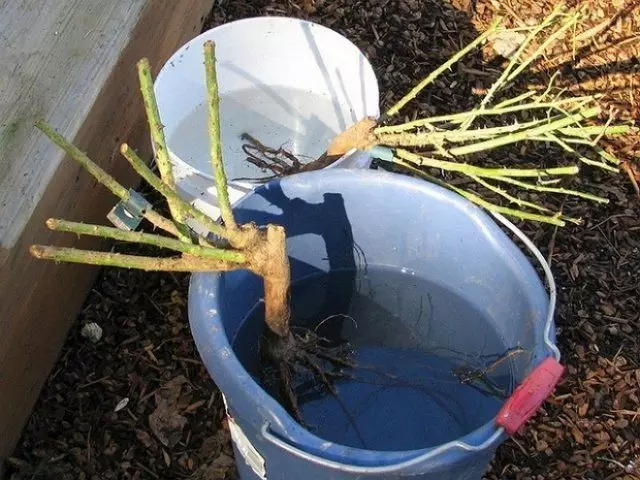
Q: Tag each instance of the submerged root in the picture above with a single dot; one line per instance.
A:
(305, 366)
(300, 363)
(279, 161)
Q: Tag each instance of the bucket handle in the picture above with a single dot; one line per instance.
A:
(386, 469)
(551, 283)
(508, 417)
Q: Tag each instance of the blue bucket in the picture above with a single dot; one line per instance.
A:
(341, 220)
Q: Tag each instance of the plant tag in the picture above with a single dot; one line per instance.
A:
(127, 214)
(249, 453)
(123, 218)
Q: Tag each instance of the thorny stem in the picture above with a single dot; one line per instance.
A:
(587, 132)
(558, 190)
(581, 141)
(502, 80)
(146, 238)
(236, 238)
(511, 198)
(601, 134)
(185, 263)
(407, 139)
(587, 161)
(460, 117)
(516, 99)
(103, 177)
(159, 141)
(552, 38)
(481, 171)
(444, 67)
(550, 84)
(525, 134)
(607, 156)
(578, 102)
(263, 253)
(213, 103)
(472, 197)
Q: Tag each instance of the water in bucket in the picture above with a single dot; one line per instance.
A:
(408, 389)
(273, 116)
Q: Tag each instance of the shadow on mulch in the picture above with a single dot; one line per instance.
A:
(139, 404)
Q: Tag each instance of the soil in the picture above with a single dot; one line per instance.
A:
(139, 404)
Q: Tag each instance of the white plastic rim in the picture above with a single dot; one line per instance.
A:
(287, 82)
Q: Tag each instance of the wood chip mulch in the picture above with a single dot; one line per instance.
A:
(138, 404)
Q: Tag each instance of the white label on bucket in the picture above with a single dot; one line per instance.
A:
(251, 456)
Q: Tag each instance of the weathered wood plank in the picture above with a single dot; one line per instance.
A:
(60, 53)
(71, 63)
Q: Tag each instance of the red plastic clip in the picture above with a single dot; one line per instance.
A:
(529, 395)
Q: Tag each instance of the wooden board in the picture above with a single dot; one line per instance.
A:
(71, 63)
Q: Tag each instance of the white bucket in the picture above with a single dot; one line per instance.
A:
(286, 82)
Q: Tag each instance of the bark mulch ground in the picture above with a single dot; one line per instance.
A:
(139, 404)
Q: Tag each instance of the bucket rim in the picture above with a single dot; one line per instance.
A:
(167, 66)
(281, 429)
